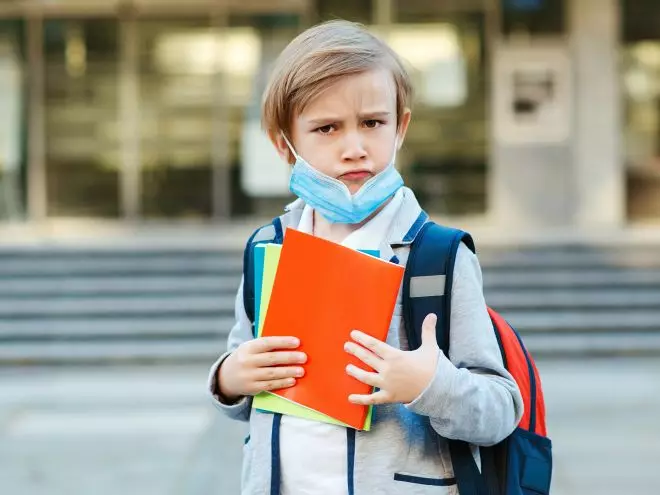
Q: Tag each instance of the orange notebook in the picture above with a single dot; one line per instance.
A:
(322, 292)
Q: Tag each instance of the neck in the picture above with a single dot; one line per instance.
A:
(337, 232)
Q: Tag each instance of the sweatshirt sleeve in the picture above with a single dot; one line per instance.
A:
(472, 396)
(240, 332)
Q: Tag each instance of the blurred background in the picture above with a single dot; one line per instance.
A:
(133, 169)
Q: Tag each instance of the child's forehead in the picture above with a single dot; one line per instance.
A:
(364, 93)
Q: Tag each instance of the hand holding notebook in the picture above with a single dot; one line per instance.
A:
(268, 363)
(321, 293)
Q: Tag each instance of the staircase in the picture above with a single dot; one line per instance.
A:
(90, 306)
(75, 305)
(578, 299)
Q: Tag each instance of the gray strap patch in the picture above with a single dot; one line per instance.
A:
(433, 285)
(267, 233)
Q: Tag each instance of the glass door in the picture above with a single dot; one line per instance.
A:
(259, 178)
(446, 155)
(82, 138)
(641, 90)
(177, 87)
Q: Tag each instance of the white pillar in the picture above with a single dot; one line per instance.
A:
(36, 174)
(129, 116)
(598, 159)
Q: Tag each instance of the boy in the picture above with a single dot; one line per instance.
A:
(337, 106)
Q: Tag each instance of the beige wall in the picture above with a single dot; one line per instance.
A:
(579, 182)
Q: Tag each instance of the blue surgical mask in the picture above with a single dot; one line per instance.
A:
(331, 197)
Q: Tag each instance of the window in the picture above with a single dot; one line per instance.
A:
(641, 89)
(81, 117)
(177, 75)
(445, 156)
(259, 177)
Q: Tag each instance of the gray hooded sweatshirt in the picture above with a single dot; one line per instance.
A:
(472, 397)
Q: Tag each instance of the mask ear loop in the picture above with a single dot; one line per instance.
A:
(396, 148)
(288, 143)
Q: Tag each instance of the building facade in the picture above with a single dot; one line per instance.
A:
(528, 113)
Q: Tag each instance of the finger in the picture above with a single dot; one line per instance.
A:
(278, 373)
(271, 385)
(380, 397)
(266, 344)
(278, 358)
(429, 337)
(367, 357)
(379, 348)
(372, 379)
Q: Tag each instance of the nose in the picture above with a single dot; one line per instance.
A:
(353, 148)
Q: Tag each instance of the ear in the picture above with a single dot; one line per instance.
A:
(403, 126)
(280, 145)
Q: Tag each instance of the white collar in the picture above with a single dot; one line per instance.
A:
(371, 235)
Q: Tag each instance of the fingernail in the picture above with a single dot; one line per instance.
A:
(295, 341)
(349, 368)
(291, 381)
(302, 357)
(300, 372)
(347, 346)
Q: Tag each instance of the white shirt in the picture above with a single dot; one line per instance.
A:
(303, 442)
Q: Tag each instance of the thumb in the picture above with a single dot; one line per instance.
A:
(428, 331)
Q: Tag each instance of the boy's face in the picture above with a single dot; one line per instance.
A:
(349, 131)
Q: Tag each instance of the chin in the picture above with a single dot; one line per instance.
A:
(353, 187)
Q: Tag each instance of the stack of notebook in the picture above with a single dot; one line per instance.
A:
(320, 291)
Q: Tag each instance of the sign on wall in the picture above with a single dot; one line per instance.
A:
(532, 94)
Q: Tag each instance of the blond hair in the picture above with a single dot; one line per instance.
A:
(316, 59)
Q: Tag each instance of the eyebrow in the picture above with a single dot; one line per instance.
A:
(362, 116)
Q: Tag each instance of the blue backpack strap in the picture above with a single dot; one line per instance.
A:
(428, 281)
(272, 233)
(427, 287)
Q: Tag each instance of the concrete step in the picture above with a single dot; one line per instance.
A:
(132, 327)
(206, 350)
(90, 284)
(52, 265)
(174, 350)
(571, 299)
(129, 266)
(77, 306)
(159, 326)
(119, 286)
(584, 345)
(73, 252)
(563, 322)
(622, 278)
(145, 306)
(71, 261)
(582, 258)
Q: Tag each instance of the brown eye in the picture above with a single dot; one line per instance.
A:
(326, 129)
(372, 124)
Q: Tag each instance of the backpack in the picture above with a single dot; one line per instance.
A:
(522, 463)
